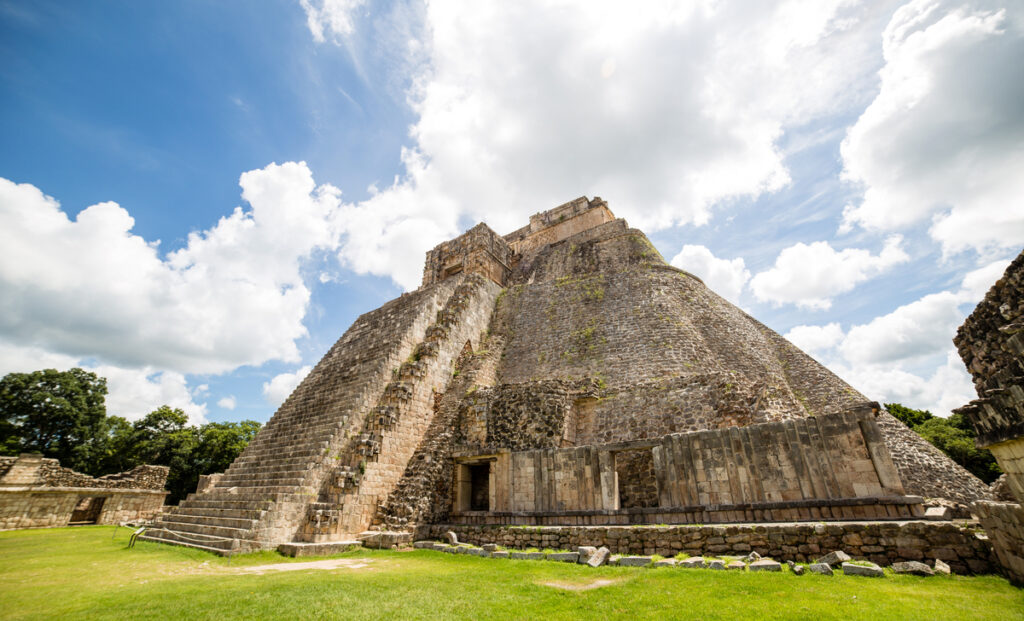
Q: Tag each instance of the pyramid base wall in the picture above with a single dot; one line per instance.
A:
(1004, 525)
(880, 542)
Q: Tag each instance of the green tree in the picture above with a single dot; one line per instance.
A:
(954, 436)
(60, 414)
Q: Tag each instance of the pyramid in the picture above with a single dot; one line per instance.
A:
(561, 374)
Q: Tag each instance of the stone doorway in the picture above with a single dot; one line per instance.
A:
(87, 511)
(473, 490)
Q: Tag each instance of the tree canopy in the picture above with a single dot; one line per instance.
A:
(62, 414)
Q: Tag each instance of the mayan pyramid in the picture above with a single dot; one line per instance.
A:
(561, 374)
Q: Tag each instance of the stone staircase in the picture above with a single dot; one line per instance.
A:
(353, 494)
(263, 497)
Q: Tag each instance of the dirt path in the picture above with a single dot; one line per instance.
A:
(334, 563)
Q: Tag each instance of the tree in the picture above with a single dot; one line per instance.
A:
(60, 414)
(954, 436)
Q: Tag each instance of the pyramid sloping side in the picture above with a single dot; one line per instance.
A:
(671, 356)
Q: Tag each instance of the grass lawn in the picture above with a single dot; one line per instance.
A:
(76, 573)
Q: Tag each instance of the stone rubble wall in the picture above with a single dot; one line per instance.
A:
(51, 508)
(883, 543)
(1004, 525)
(35, 470)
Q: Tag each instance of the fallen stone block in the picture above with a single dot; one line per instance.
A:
(694, 562)
(477, 552)
(753, 556)
(666, 562)
(717, 564)
(736, 566)
(499, 554)
(938, 513)
(490, 547)
(440, 547)
(599, 557)
(585, 553)
(798, 570)
(634, 561)
(836, 557)
(914, 568)
(527, 556)
(872, 570)
(821, 568)
(453, 539)
(941, 567)
(564, 557)
(765, 564)
(423, 545)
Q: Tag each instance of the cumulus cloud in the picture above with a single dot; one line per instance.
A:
(943, 141)
(333, 17)
(233, 295)
(278, 388)
(726, 277)
(907, 355)
(667, 112)
(228, 403)
(814, 339)
(809, 275)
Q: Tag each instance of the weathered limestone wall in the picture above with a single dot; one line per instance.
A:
(554, 225)
(31, 469)
(991, 344)
(880, 542)
(477, 251)
(36, 492)
(731, 473)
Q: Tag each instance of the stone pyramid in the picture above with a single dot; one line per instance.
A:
(561, 374)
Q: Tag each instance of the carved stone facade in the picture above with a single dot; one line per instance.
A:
(991, 344)
(36, 492)
(567, 351)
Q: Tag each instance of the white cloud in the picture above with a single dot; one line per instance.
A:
(724, 276)
(922, 328)
(335, 17)
(278, 388)
(906, 356)
(228, 403)
(816, 339)
(233, 295)
(809, 275)
(943, 142)
(666, 111)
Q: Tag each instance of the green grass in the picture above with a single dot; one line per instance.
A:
(82, 573)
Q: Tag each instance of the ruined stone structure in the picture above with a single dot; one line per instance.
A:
(561, 374)
(991, 344)
(36, 492)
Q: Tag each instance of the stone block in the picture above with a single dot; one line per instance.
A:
(490, 547)
(423, 545)
(564, 557)
(665, 562)
(499, 554)
(872, 570)
(598, 558)
(765, 564)
(585, 553)
(912, 567)
(820, 568)
(836, 557)
(736, 566)
(717, 564)
(938, 513)
(798, 570)
(941, 567)
(634, 561)
(694, 562)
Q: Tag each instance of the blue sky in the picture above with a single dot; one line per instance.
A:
(197, 199)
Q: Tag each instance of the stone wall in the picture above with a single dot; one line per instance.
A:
(477, 251)
(36, 492)
(880, 542)
(1004, 525)
(808, 465)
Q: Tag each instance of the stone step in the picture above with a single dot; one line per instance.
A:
(218, 513)
(177, 516)
(259, 470)
(217, 545)
(168, 538)
(292, 463)
(249, 497)
(204, 501)
(201, 530)
(267, 478)
(257, 492)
